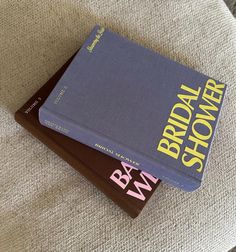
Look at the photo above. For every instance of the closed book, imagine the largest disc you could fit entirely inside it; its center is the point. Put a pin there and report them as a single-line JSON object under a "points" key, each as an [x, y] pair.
{"points": [[138, 107], [128, 187]]}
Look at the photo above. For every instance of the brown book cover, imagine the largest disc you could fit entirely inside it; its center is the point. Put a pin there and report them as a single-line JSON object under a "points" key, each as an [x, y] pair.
{"points": [[128, 187]]}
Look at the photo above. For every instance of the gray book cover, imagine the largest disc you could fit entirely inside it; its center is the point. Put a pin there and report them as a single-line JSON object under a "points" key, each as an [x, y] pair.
{"points": [[137, 106]]}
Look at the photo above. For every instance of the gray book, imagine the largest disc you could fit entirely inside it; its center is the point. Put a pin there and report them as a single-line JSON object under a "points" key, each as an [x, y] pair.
{"points": [[138, 107]]}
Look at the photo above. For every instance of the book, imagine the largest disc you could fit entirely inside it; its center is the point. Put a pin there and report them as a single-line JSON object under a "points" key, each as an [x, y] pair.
{"points": [[138, 107], [128, 187]]}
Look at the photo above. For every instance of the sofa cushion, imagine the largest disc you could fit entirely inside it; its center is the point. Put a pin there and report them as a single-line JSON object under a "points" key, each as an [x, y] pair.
{"points": [[47, 206]]}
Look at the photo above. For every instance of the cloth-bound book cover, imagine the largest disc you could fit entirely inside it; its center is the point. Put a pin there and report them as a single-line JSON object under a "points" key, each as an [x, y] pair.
{"points": [[128, 187], [138, 107]]}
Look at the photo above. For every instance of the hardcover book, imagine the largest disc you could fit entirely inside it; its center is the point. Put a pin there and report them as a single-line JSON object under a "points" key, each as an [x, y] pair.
{"points": [[138, 107], [128, 187]]}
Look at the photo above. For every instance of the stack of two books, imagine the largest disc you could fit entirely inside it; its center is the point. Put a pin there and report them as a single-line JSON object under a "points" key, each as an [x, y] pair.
{"points": [[126, 117]]}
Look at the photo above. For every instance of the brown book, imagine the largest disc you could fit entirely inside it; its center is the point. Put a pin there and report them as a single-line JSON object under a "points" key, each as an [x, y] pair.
{"points": [[128, 187]]}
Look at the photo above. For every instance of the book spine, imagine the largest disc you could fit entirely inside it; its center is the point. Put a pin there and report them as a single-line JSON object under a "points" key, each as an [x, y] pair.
{"points": [[93, 177], [107, 146]]}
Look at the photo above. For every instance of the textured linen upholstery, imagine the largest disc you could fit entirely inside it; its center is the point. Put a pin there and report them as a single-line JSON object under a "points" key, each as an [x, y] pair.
{"points": [[47, 206]]}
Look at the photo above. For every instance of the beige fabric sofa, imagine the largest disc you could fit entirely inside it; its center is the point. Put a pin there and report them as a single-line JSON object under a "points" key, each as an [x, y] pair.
{"points": [[47, 206]]}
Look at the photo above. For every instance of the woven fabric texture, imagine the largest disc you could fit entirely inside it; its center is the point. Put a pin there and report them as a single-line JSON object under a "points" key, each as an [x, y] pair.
{"points": [[47, 206], [232, 6]]}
